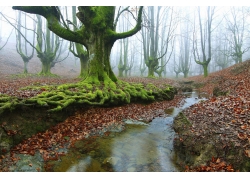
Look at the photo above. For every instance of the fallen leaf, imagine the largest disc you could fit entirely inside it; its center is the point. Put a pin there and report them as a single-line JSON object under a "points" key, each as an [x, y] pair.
{"points": [[233, 121], [247, 152], [242, 136], [218, 160]]}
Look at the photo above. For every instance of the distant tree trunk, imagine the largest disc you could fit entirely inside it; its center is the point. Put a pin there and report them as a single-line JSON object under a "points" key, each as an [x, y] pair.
{"points": [[124, 43], [81, 53], [177, 68], [20, 44], [152, 60], [236, 27], [46, 49], [167, 40], [206, 57], [185, 60]]}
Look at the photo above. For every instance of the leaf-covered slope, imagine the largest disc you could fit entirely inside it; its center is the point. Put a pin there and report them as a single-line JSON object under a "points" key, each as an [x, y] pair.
{"points": [[222, 121]]}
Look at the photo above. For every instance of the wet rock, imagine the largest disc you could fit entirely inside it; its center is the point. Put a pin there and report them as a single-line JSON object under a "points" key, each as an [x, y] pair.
{"points": [[131, 121], [111, 160]]}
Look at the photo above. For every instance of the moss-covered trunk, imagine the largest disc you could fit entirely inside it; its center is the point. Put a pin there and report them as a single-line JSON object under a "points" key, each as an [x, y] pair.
{"points": [[150, 71], [97, 34], [25, 71], [185, 74], [151, 63], [205, 68], [120, 72], [99, 69], [46, 66], [84, 67]]}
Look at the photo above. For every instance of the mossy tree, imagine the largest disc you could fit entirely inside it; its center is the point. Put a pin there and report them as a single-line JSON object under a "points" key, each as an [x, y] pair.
{"points": [[132, 60], [185, 58], [97, 34], [123, 61], [19, 44], [101, 87], [46, 48], [222, 57], [151, 49], [205, 40], [77, 49], [152, 59], [167, 39], [236, 30], [177, 67], [124, 66]]}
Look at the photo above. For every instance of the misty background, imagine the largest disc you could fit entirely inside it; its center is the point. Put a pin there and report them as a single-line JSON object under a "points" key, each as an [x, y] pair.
{"points": [[173, 37]]}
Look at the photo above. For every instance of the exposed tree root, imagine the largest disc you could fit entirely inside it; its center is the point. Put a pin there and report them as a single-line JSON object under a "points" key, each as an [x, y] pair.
{"points": [[104, 94], [7, 102]]}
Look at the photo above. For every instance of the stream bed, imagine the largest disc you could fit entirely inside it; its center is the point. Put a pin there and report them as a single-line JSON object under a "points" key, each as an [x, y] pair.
{"points": [[141, 147]]}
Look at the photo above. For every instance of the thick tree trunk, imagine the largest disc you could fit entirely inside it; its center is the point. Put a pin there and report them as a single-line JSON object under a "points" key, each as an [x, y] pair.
{"points": [[185, 74], [151, 64], [205, 68], [240, 58], [84, 67], [25, 71], [126, 73], [151, 71], [99, 69], [46, 66], [120, 72]]}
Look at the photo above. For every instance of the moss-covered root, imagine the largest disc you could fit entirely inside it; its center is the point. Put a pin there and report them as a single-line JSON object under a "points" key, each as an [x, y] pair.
{"points": [[107, 93], [7, 102]]}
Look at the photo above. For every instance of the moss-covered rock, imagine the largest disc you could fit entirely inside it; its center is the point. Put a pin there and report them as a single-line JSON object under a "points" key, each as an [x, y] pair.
{"points": [[218, 92]]}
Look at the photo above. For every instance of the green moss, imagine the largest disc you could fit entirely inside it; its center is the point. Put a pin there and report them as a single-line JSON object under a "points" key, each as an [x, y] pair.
{"points": [[56, 98]]}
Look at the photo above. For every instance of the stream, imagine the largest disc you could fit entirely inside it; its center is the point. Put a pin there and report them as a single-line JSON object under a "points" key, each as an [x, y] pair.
{"points": [[140, 147]]}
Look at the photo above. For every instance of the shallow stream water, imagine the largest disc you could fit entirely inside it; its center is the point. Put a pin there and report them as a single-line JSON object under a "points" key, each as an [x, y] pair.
{"points": [[140, 147]]}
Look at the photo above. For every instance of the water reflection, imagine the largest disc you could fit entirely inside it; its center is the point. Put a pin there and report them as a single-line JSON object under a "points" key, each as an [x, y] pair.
{"points": [[139, 148]]}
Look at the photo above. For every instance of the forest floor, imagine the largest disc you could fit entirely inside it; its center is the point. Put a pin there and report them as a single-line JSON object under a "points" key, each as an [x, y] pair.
{"points": [[229, 113]]}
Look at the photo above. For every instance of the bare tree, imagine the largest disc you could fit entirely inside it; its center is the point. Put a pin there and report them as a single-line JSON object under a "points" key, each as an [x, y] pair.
{"points": [[154, 49], [177, 67], [78, 50], [1, 39], [236, 27], [185, 41], [205, 32], [20, 45], [170, 22], [222, 52]]}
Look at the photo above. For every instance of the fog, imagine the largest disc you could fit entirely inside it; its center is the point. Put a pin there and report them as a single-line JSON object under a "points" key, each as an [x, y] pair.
{"points": [[178, 29]]}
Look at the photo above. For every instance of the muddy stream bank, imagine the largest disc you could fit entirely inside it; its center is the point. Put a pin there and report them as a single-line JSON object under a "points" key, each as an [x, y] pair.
{"points": [[139, 147]]}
